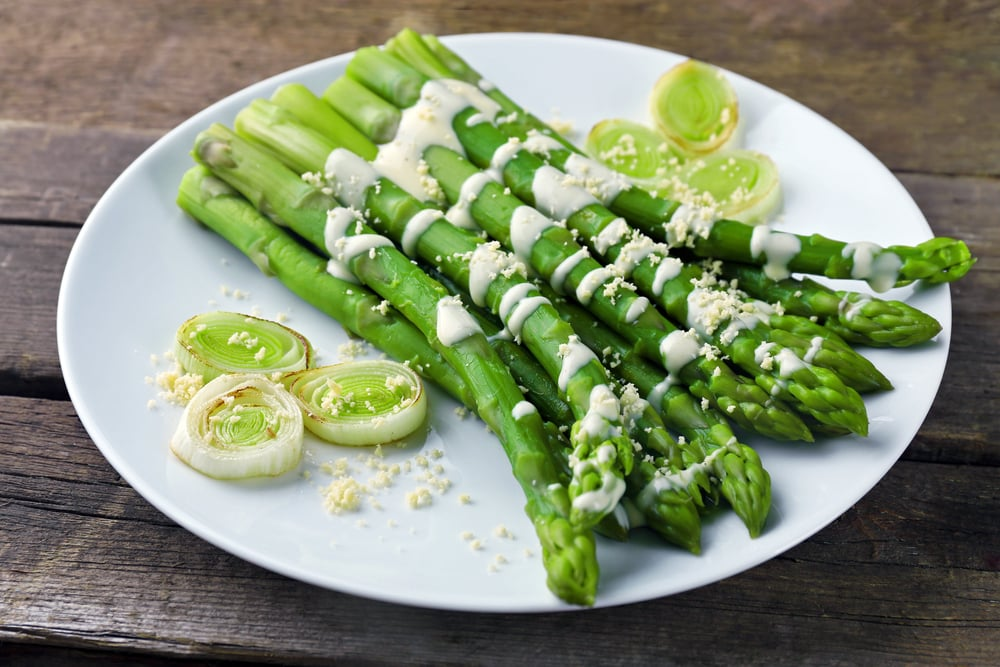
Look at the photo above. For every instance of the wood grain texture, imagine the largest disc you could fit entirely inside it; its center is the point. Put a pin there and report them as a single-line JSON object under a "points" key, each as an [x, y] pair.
{"points": [[912, 81], [91, 573], [89, 563]]}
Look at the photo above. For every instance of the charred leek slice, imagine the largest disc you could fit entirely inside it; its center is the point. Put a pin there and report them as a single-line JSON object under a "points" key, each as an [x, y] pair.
{"points": [[360, 403], [631, 148], [210, 344], [740, 185], [696, 108], [238, 426]]}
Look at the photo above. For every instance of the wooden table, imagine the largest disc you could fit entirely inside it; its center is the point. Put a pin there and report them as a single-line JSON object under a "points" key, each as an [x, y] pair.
{"points": [[90, 573]]}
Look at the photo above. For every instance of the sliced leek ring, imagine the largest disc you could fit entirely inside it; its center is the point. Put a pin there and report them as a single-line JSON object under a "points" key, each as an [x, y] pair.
{"points": [[694, 106], [213, 343], [633, 149], [360, 403], [740, 185], [238, 426]]}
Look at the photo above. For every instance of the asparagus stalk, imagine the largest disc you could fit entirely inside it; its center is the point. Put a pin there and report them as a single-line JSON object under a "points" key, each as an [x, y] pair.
{"points": [[937, 260], [601, 455], [750, 406], [275, 252], [569, 551], [856, 317], [667, 497], [709, 442]]}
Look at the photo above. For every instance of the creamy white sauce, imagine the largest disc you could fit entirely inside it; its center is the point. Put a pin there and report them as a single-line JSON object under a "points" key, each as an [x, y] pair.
{"points": [[668, 269], [460, 214], [521, 312], [849, 310], [636, 309], [678, 349], [601, 181], [687, 223], [429, 123], [636, 249], [561, 273], [597, 424], [556, 195], [591, 283], [454, 323], [415, 228], [511, 298], [526, 226], [343, 248], [503, 154], [485, 264], [657, 393], [612, 234], [603, 498], [350, 176], [872, 263], [523, 409], [815, 345], [778, 247], [575, 355]]}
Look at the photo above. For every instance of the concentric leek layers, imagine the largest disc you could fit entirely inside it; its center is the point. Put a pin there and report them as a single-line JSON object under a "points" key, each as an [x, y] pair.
{"points": [[695, 108], [360, 403], [213, 343], [240, 425]]}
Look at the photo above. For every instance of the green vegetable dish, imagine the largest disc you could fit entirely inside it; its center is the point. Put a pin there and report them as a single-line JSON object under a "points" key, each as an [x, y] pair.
{"points": [[621, 314]]}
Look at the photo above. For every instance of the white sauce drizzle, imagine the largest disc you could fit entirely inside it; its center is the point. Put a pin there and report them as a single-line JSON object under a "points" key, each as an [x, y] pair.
{"points": [[575, 355], [511, 298], [872, 263], [678, 349], [556, 196], [815, 345], [611, 235], [344, 248], [591, 283], [603, 411], [526, 227], [485, 264], [454, 323], [600, 180], [350, 176], [636, 308], [604, 497], [429, 123], [523, 409], [778, 247], [504, 153], [521, 312], [460, 214], [668, 269], [415, 228], [689, 222], [561, 273]]}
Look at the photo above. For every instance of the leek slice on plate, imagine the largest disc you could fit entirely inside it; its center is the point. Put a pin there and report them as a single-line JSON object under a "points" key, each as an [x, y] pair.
{"points": [[695, 107], [633, 149], [213, 343], [740, 185], [360, 403], [238, 426]]}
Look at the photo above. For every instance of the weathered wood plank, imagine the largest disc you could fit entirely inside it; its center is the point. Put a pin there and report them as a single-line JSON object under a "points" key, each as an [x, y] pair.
{"points": [[144, 65], [89, 563]]}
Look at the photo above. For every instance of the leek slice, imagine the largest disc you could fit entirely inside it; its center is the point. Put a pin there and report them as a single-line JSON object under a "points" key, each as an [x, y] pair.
{"points": [[238, 426], [696, 108], [633, 149], [213, 343], [360, 403], [740, 185]]}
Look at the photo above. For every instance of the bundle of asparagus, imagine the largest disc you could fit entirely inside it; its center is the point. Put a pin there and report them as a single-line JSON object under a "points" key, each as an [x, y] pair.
{"points": [[644, 334]]}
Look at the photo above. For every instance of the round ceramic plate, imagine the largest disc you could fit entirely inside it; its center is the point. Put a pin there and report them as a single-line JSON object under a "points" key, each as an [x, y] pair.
{"points": [[140, 267]]}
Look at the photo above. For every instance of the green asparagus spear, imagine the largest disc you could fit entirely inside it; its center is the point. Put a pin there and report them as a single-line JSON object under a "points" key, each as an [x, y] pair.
{"points": [[747, 405], [709, 440], [856, 317], [569, 552], [277, 253], [937, 260], [602, 455]]}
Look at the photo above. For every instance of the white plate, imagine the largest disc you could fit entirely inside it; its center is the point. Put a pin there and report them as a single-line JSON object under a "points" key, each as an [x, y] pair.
{"points": [[140, 267]]}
